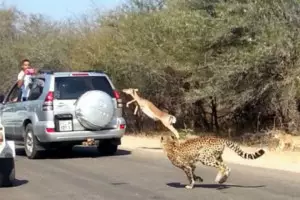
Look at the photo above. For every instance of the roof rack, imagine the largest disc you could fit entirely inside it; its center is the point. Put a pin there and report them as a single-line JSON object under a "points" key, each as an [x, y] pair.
{"points": [[45, 71], [93, 70]]}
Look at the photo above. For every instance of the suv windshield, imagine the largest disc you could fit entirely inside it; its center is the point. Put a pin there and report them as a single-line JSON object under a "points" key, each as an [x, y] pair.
{"points": [[74, 87]]}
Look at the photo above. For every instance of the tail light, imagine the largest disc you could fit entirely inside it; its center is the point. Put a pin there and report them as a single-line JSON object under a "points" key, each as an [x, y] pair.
{"points": [[1, 137], [116, 94], [119, 100], [122, 126], [48, 102], [50, 130]]}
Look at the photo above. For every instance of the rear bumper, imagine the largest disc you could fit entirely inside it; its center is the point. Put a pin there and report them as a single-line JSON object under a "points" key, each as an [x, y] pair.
{"points": [[80, 135], [45, 137]]}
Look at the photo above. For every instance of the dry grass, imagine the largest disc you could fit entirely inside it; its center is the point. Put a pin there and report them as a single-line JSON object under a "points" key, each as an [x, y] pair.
{"points": [[263, 139], [288, 161]]}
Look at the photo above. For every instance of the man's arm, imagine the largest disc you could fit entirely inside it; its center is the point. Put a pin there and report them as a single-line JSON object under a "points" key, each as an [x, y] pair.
{"points": [[20, 79], [20, 83]]}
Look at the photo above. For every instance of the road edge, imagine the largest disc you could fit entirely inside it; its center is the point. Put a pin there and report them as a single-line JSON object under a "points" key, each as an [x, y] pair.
{"points": [[269, 161]]}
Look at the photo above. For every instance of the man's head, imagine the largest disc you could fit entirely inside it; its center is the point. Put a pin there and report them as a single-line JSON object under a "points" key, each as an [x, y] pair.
{"points": [[25, 64]]}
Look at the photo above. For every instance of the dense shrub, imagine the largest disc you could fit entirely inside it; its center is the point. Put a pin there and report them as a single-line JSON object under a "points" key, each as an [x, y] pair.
{"points": [[214, 64]]}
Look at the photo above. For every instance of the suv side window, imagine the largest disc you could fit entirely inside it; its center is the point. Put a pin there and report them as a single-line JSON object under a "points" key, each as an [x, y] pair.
{"points": [[36, 89]]}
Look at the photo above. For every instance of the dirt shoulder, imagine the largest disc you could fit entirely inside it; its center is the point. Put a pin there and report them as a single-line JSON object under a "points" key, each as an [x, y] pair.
{"points": [[287, 161]]}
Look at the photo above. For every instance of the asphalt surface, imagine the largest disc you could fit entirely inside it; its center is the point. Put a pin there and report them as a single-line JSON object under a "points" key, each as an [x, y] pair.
{"points": [[139, 175]]}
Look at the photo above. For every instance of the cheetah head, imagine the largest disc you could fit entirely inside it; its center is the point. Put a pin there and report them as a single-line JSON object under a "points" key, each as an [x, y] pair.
{"points": [[167, 139]]}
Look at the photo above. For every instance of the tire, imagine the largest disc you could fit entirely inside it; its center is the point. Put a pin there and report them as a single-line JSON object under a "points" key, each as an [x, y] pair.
{"points": [[94, 103], [31, 143], [7, 172], [107, 148]]}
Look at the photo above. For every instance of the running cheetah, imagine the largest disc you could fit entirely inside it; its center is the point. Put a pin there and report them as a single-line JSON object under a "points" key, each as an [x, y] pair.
{"points": [[205, 149]]}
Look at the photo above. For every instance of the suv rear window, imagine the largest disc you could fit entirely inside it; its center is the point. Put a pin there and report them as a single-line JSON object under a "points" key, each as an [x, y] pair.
{"points": [[74, 87]]}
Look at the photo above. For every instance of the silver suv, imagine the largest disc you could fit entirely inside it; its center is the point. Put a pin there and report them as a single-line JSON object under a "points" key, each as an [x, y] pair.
{"points": [[64, 109]]}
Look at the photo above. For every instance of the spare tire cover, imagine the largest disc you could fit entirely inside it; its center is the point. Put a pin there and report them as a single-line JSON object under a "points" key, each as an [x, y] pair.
{"points": [[94, 109]]}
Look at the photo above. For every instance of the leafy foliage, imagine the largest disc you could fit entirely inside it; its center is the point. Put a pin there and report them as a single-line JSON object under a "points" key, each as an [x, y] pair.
{"points": [[214, 64]]}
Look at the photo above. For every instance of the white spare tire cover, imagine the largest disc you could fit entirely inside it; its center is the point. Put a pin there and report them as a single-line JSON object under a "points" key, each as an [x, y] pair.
{"points": [[94, 109]]}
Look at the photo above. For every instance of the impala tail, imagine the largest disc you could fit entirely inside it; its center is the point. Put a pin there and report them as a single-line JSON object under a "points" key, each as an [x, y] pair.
{"points": [[172, 119]]}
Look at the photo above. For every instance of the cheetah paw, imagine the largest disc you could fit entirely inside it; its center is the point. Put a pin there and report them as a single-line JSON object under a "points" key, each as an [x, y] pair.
{"points": [[189, 187], [198, 179], [218, 177], [222, 178]]}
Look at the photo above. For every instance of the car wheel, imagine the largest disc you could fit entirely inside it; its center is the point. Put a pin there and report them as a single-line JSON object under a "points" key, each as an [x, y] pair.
{"points": [[106, 147], [7, 172], [31, 143]]}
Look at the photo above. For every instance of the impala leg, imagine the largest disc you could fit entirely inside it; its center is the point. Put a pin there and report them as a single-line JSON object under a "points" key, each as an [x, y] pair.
{"points": [[130, 102], [135, 110], [172, 129]]}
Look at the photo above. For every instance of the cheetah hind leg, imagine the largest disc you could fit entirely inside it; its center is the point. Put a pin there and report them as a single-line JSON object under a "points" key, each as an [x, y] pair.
{"points": [[223, 169], [196, 178], [222, 178]]}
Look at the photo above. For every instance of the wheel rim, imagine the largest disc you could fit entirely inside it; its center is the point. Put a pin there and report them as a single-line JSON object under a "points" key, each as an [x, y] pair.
{"points": [[29, 142]]}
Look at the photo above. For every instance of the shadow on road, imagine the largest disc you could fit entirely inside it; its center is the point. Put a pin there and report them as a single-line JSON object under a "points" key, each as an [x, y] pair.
{"points": [[77, 152], [16, 183], [213, 186]]}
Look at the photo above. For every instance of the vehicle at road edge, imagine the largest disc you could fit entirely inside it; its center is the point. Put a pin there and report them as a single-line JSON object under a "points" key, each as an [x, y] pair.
{"points": [[7, 160], [64, 109]]}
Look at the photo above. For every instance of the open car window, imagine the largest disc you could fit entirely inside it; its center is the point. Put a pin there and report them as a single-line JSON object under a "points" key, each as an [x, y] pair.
{"points": [[13, 95]]}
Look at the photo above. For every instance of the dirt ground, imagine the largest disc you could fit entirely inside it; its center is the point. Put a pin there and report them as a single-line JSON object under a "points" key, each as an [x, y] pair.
{"points": [[288, 161]]}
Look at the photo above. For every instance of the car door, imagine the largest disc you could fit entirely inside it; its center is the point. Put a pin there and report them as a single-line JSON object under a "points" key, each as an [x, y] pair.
{"points": [[21, 114], [8, 114], [26, 109]]}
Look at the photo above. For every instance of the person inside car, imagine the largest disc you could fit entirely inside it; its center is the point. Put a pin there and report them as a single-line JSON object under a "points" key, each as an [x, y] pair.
{"points": [[24, 79]]}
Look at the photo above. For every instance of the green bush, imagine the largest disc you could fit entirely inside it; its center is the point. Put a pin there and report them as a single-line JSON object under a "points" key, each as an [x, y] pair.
{"points": [[214, 64]]}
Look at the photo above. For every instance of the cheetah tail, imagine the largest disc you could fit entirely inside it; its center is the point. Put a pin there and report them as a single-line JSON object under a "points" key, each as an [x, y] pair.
{"points": [[237, 149]]}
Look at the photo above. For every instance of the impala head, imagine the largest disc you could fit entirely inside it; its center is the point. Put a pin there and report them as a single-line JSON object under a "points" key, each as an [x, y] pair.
{"points": [[130, 91]]}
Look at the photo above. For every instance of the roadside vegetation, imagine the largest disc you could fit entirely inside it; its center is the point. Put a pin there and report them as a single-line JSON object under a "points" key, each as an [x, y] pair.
{"points": [[218, 66]]}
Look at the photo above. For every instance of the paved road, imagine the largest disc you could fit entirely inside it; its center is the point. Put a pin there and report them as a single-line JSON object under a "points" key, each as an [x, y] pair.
{"points": [[139, 175]]}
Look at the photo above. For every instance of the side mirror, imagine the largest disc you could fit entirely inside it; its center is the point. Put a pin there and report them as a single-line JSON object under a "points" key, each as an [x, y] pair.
{"points": [[2, 97]]}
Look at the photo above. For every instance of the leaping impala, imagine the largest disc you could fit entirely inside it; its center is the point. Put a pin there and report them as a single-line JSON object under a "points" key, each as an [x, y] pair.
{"points": [[151, 110]]}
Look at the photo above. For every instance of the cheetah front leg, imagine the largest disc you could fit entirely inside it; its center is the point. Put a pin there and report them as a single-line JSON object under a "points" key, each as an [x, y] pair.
{"points": [[223, 169], [189, 173], [196, 178]]}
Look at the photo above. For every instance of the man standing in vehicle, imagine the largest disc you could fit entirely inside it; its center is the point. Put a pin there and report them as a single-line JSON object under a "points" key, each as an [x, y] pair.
{"points": [[24, 79]]}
